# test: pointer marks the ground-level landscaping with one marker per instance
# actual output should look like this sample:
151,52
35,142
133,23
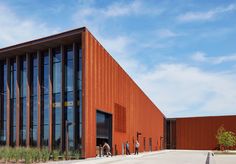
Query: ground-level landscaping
34,155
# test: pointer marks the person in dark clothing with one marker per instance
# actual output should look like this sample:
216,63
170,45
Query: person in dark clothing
127,148
100,150
136,147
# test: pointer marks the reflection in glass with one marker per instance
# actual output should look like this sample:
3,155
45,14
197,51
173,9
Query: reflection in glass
45,100
12,102
102,126
79,97
3,100
23,123
56,113
69,69
23,113
69,116
56,71
69,109
34,101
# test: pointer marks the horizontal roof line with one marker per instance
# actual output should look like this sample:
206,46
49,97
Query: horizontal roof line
44,39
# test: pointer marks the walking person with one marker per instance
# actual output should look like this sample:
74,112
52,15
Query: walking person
100,150
136,147
106,149
127,148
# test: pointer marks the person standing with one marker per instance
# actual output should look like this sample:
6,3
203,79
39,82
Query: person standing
127,148
100,150
136,147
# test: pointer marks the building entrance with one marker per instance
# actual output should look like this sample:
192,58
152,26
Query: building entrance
104,128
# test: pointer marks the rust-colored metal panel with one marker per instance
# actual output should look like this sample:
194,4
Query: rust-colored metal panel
105,84
199,133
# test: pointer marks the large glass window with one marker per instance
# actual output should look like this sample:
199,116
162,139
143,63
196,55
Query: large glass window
73,117
69,109
79,96
56,71
3,97
104,128
56,121
34,100
56,113
23,95
45,99
102,125
13,102
69,69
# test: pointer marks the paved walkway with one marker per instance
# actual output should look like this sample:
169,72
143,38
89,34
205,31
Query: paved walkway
159,157
225,159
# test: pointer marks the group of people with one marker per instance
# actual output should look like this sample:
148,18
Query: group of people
127,148
106,149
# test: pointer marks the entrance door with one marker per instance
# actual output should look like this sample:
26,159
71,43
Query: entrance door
104,128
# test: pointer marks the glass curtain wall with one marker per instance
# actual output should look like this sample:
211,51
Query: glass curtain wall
45,99
23,95
72,98
56,113
79,97
73,112
34,100
69,109
13,102
3,97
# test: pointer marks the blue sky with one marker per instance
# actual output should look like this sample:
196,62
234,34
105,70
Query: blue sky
181,53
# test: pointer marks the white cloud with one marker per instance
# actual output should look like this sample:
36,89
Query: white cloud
15,29
204,16
202,57
117,9
93,17
177,89
166,33
182,90
122,9
199,56
121,47
221,59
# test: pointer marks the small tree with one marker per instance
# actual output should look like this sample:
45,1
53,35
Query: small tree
225,138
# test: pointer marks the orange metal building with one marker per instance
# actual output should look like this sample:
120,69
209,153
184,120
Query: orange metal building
71,93
197,133
67,92
108,88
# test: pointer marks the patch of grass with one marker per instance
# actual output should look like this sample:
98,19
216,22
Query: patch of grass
33,155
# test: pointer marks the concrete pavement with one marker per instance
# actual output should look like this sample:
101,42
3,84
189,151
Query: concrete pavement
225,159
158,157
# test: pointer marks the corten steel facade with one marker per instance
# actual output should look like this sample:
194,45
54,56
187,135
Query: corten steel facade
110,89
66,91
197,133
61,90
